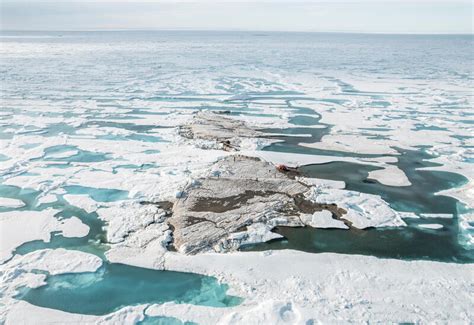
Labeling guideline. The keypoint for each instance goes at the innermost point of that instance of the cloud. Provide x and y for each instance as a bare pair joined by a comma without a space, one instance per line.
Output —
384,16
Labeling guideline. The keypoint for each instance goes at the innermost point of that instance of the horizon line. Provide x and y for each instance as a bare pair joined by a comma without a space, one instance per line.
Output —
230,30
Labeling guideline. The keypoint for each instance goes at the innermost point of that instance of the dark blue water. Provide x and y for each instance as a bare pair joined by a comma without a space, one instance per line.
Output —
405,243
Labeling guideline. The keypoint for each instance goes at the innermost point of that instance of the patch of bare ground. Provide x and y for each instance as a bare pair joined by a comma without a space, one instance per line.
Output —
241,192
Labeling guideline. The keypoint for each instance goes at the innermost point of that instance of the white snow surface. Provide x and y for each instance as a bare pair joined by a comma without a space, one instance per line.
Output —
292,287
18,227
74,228
391,176
81,201
255,233
49,198
54,261
289,287
433,226
125,217
11,203
23,312
437,215
322,219
363,210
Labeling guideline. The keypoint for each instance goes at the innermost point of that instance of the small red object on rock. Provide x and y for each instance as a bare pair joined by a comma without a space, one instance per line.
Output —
282,168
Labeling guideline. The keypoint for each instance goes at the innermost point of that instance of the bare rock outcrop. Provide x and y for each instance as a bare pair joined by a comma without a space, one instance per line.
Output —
239,193
227,132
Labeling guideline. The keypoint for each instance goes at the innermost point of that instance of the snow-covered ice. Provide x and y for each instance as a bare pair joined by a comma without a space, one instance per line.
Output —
40,224
62,123
11,203
363,210
430,226
322,219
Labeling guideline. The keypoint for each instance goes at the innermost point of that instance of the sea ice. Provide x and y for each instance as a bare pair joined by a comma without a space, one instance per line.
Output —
384,108
64,154
437,215
430,226
124,217
254,234
390,175
326,288
81,201
322,219
73,227
45,199
11,203
40,225
363,210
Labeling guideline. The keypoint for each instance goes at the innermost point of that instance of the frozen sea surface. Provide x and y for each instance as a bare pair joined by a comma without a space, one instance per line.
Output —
93,115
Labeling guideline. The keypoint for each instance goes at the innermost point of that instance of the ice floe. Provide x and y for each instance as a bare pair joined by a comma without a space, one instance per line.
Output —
322,219
40,226
23,312
362,210
124,218
45,199
434,226
82,201
297,287
11,203
437,215
390,175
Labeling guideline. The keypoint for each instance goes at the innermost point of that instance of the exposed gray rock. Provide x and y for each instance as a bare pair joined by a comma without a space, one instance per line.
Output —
239,192
225,131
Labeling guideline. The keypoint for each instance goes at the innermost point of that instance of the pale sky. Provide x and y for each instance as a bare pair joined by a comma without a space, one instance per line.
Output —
367,16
